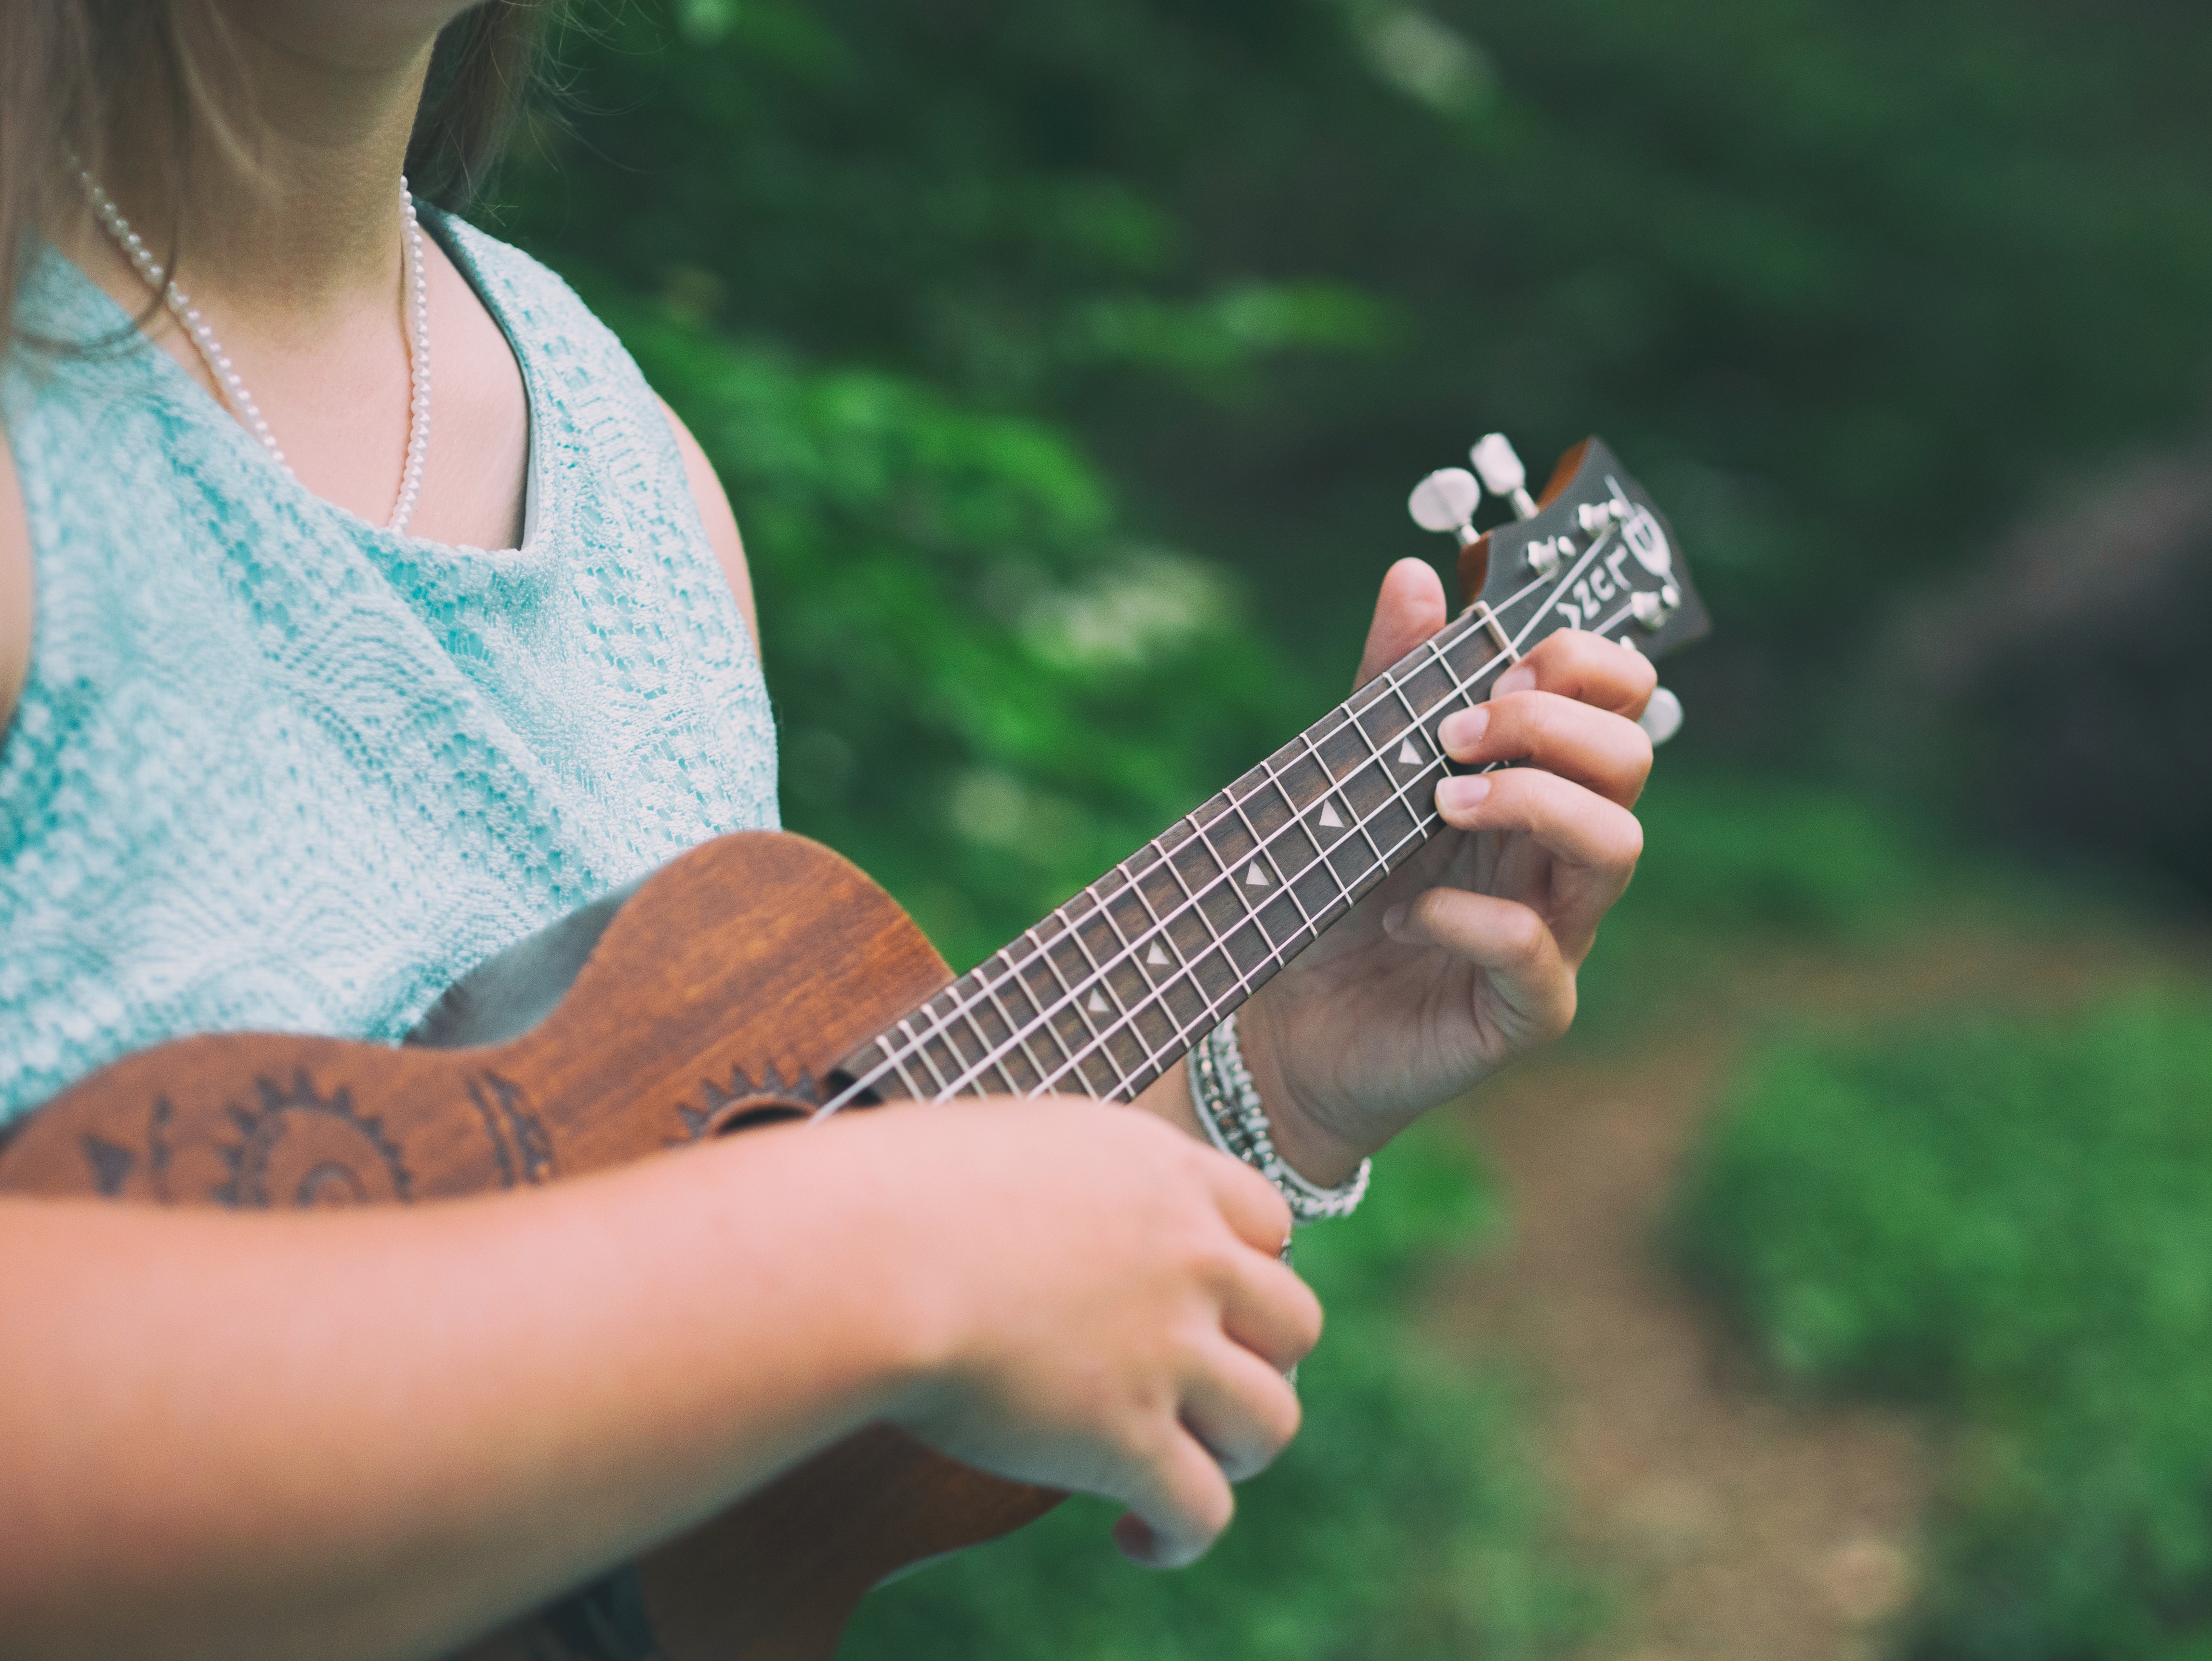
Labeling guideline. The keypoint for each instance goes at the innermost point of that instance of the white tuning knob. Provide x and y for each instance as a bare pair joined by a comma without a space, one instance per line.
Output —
1661,717
1500,463
1446,500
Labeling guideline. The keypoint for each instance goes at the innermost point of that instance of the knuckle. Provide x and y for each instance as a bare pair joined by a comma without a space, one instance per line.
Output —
1560,1015
1629,848
1305,1332
1213,1507
1523,934
1639,752
1428,912
1213,1262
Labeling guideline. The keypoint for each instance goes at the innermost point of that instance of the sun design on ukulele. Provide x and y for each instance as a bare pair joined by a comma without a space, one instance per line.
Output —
741,1103
297,1147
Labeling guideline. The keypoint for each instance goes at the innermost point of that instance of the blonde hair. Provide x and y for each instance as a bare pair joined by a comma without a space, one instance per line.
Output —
62,61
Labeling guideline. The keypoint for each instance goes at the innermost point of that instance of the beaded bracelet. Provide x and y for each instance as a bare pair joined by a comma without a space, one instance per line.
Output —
1235,1122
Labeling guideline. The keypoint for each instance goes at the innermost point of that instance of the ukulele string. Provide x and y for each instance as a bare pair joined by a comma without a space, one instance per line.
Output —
1424,822
1156,931
1574,571
895,1053
914,1043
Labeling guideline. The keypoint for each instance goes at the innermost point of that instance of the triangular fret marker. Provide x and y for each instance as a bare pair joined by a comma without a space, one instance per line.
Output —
1097,1004
1328,819
1408,755
1255,877
1156,958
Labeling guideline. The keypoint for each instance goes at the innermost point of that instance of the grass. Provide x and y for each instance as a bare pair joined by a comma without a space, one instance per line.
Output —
1405,1523
2009,1222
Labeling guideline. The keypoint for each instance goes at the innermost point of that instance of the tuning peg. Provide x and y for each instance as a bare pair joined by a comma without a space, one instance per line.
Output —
1662,717
1446,500
1500,463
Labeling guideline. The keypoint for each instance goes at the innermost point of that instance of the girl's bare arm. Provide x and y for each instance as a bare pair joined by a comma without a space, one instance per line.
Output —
373,1433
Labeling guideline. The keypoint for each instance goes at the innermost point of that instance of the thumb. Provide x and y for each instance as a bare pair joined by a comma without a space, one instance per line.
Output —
1410,608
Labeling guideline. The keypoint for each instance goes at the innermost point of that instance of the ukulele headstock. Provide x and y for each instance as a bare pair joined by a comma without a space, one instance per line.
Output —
1592,551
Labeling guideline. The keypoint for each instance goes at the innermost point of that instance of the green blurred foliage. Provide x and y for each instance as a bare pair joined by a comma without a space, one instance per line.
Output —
1067,362
1404,1522
1740,867
1847,284
2012,1222
983,696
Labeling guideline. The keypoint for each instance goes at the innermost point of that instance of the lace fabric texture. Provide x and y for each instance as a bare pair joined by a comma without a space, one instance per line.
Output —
275,769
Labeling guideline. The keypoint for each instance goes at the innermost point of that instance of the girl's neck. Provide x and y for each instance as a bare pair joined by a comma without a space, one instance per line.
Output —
289,211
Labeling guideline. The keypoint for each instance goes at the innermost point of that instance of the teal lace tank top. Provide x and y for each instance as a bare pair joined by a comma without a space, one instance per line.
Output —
277,770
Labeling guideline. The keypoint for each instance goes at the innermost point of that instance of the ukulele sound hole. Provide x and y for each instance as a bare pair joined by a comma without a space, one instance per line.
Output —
744,1115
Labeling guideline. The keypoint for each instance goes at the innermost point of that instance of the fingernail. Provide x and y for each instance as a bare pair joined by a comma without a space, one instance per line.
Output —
1395,918
1519,679
1462,729
1462,795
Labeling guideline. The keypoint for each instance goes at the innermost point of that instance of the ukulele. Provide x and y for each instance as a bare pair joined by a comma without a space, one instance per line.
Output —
760,978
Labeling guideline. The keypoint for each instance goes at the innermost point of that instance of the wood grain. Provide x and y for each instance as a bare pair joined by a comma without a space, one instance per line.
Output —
730,985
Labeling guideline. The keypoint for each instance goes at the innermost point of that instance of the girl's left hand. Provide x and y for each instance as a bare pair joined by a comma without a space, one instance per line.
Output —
1465,958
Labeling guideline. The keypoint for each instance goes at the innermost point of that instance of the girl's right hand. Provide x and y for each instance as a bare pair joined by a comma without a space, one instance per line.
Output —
1102,1307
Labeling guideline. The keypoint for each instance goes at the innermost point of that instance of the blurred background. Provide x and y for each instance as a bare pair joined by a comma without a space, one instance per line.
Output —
1843,1287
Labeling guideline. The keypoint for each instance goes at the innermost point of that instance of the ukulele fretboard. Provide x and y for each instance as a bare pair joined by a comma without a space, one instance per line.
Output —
1107,992
1104,994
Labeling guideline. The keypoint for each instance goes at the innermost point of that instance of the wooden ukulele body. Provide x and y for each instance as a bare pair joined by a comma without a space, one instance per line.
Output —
722,995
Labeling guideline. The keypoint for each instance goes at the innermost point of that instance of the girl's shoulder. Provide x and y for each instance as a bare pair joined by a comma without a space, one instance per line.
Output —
533,303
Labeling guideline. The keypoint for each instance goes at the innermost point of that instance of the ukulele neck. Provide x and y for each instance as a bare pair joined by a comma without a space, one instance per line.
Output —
1111,989
1114,988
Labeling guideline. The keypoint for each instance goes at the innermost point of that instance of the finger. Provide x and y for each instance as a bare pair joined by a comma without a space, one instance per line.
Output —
1588,668
1507,940
1269,1310
1608,753
1180,1504
1410,608
1562,818
1243,1410
1248,1201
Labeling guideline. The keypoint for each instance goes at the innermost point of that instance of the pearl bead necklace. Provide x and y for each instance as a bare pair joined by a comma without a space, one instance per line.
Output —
227,377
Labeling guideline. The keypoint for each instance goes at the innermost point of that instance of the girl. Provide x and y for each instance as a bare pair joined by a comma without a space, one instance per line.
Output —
361,612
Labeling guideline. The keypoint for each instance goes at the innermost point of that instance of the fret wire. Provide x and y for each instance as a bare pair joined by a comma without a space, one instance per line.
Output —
1356,825
1019,1038
892,1060
994,1055
1282,882
1414,720
1097,982
1258,850
1107,912
1158,924
1244,983
1461,689
919,1052
1244,987
1287,882
1220,946
1227,874
1067,999
1421,821
941,1026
